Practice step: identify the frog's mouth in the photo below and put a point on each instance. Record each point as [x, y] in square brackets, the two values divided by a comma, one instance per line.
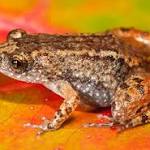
[29, 76]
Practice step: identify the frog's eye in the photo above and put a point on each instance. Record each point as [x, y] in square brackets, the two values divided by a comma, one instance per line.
[16, 34]
[18, 64]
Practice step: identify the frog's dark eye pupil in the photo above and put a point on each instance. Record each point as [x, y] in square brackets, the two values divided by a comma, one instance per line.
[16, 63]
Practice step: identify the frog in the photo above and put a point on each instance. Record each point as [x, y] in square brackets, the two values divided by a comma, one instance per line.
[88, 70]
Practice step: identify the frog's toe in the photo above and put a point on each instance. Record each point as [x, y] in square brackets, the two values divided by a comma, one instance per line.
[107, 122]
[44, 127]
[106, 117]
[98, 125]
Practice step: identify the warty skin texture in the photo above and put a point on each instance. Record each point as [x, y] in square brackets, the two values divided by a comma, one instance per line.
[94, 71]
[91, 70]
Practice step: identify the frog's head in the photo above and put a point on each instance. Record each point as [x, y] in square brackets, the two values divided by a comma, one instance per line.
[16, 57]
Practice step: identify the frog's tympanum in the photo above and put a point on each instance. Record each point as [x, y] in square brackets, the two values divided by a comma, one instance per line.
[87, 70]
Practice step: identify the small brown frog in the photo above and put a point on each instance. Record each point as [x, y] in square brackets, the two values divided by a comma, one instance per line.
[87, 70]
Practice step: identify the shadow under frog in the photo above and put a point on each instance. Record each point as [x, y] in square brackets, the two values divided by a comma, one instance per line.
[21, 91]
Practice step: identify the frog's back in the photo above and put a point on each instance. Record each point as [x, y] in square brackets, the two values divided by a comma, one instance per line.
[69, 42]
[108, 41]
[92, 64]
[95, 64]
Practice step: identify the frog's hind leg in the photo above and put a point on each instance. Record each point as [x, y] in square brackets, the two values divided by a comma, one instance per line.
[137, 38]
[131, 103]
[138, 120]
[133, 34]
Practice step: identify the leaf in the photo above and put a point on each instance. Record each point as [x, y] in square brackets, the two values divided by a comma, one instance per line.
[21, 103]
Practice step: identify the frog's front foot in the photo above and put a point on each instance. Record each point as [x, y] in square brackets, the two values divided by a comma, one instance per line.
[47, 125]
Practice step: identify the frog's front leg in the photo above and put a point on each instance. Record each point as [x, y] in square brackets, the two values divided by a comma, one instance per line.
[71, 101]
[131, 103]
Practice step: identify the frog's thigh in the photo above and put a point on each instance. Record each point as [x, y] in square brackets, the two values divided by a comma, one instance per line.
[71, 101]
[131, 101]
[137, 35]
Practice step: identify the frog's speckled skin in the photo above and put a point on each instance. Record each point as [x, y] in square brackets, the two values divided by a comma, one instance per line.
[90, 70]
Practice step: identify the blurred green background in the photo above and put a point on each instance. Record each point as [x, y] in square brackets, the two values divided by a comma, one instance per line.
[79, 15]
[97, 15]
